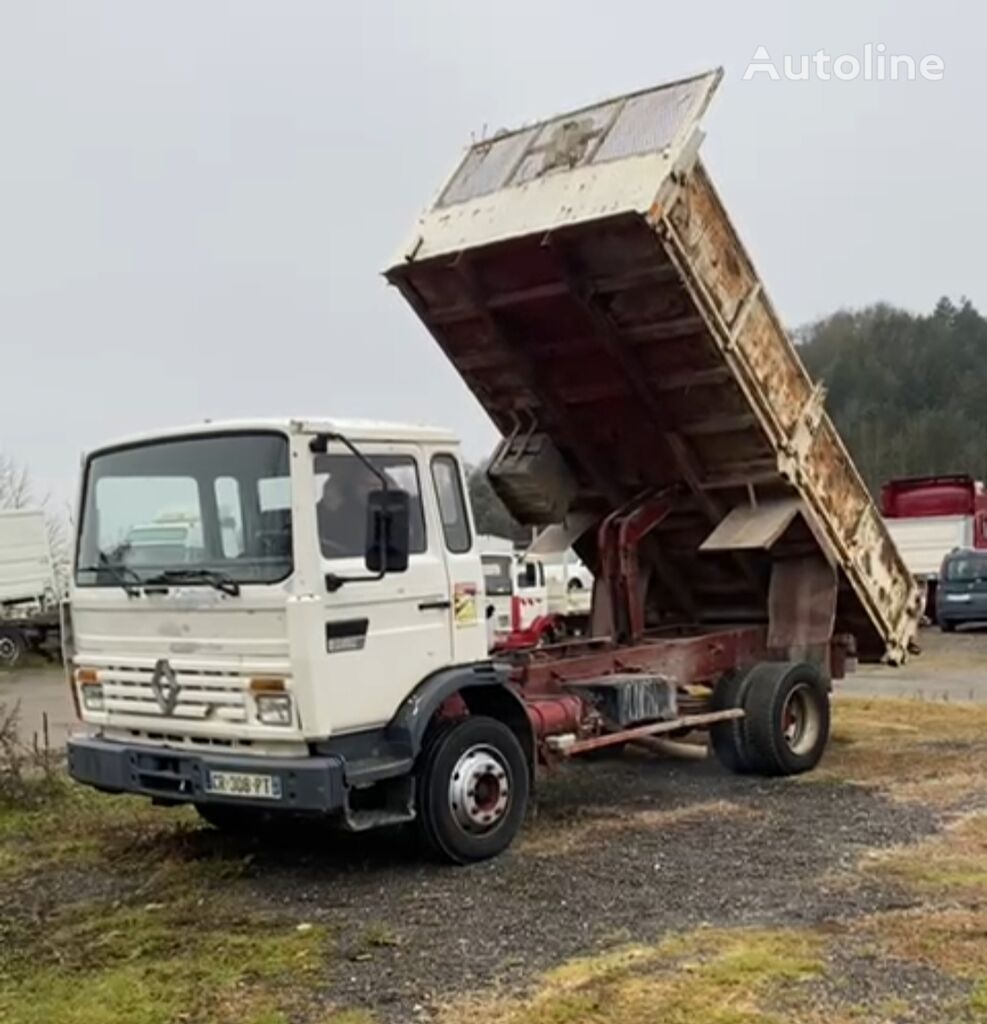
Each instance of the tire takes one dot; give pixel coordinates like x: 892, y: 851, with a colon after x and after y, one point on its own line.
x: 12, y: 646
x: 947, y: 625
x: 788, y: 717
x: 729, y: 739
x: 475, y: 755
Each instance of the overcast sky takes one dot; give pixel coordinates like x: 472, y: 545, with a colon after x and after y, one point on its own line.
x: 196, y: 198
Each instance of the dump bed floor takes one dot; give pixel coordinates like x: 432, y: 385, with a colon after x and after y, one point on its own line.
x: 640, y: 342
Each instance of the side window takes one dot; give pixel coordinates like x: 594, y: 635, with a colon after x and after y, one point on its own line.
x: 528, y: 576
x: 342, y: 483
x: 452, y: 505
x: 230, y: 515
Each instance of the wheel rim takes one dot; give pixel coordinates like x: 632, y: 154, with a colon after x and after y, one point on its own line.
x: 479, y: 789
x: 9, y: 650
x: 800, y: 720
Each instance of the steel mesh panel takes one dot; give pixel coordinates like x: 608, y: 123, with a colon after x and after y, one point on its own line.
x: 565, y: 142
x: 650, y: 122
x: 615, y: 130
x: 486, y: 167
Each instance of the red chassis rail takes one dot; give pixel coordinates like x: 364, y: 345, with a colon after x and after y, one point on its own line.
x: 695, y: 657
x: 549, y: 680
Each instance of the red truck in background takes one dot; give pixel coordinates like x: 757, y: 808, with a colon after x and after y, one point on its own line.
x: 930, y: 516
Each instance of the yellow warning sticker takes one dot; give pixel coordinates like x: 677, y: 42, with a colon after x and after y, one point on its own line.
x: 464, y: 604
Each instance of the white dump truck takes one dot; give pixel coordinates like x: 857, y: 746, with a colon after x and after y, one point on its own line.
x: 583, y: 278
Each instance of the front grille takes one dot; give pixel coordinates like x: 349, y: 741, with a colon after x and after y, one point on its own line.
x: 202, y: 696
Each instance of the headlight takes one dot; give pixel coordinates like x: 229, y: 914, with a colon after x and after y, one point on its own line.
x: 92, y: 697
x: 274, y: 709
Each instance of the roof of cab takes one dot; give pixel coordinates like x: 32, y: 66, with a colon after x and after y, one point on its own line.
x: 354, y: 429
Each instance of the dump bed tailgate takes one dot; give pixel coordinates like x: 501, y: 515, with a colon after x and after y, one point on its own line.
x: 584, y: 279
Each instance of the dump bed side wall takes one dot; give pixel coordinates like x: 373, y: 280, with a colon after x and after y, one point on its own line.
x: 700, y: 240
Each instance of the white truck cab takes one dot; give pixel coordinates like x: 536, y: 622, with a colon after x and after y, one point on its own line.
x: 296, y: 661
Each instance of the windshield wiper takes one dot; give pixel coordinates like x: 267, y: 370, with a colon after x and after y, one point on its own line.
x: 214, y: 577
x: 121, y: 574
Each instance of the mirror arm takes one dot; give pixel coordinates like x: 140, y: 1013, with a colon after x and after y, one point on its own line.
x: 320, y: 444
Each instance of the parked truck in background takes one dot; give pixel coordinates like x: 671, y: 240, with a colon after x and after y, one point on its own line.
x: 29, y: 618
x: 930, y: 516
x: 498, y: 558
x: 583, y: 278
x: 533, y: 597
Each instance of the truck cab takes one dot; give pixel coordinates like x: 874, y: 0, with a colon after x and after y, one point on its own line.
x: 292, y: 657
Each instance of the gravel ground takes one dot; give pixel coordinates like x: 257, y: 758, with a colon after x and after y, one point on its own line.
x: 765, y: 853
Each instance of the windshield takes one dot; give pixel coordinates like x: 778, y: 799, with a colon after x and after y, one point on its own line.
x: 496, y: 574
x: 967, y: 568
x: 219, y: 503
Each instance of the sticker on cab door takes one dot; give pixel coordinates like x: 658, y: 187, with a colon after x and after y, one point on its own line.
x: 464, y: 604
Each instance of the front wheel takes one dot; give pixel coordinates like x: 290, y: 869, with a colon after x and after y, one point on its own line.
x: 473, y: 787
x: 947, y: 626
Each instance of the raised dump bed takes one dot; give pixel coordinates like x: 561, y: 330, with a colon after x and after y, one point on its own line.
x: 584, y: 279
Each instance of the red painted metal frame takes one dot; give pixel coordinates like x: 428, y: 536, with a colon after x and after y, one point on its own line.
x: 697, y: 657
x: 618, y: 539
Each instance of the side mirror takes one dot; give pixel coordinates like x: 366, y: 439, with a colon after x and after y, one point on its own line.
x: 388, y: 530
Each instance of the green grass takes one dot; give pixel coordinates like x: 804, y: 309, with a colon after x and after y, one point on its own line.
x: 177, y: 943
x: 193, y: 959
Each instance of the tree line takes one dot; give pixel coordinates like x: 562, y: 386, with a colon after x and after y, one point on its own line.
x: 905, y: 390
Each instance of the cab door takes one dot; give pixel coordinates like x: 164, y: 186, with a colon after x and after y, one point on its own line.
x: 470, y: 641
x: 382, y: 636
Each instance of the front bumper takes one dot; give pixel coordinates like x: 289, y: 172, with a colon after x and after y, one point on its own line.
x: 179, y: 776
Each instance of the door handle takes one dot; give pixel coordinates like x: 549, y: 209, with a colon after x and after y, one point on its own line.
x: 441, y: 605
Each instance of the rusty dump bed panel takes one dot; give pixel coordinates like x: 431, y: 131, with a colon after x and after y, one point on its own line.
x: 584, y: 279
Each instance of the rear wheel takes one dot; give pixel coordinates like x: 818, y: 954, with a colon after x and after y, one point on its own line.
x: 12, y: 646
x: 787, y: 717
x: 473, y: 786
x: 946, y: 626
x: 729, y: 739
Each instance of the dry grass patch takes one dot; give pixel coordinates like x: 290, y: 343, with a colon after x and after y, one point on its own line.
x: 933, y: 753
x: 953, y: 863
x: 554, y: 837
x: 949, y: 932
x: 708, y: 976
x: 951, y: 939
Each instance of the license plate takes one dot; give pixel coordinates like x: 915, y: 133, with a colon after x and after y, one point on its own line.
x: 245, y: 784
x: 957, y: 597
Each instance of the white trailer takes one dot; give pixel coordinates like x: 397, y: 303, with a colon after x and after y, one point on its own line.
x: 26, y: 575
x: 28, y: 594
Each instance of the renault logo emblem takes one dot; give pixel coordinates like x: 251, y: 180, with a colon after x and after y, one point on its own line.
x: 165, y: 686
